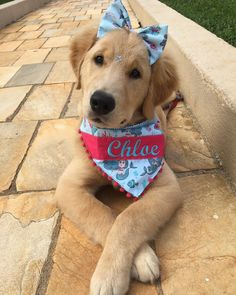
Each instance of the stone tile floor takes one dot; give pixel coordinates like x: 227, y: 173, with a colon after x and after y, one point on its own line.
x: 43, y: 252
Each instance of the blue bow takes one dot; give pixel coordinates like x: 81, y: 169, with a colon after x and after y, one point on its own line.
x: 154, y: 37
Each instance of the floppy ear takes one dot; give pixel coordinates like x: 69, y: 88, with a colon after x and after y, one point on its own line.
x: 163, y: 82
x: 81, y: 43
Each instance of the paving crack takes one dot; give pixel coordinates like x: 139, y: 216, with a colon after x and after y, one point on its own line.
x: 31, y: 221
x: 215, y: 171
x: 13, y: 183
x: 65, y: 108
x: 44, y: 61
x: 12, y: 116
x: 211, y: 171
x: 48, y: 264
x: 17, y: 193
x: 53, y: 64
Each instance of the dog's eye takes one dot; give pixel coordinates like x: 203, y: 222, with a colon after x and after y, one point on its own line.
x: 99, y: 60
x: 135, y: 74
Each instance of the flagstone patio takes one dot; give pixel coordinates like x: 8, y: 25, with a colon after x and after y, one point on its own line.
x: 41, y: 251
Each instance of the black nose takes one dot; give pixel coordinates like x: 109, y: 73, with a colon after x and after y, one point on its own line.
x: 102, y: 103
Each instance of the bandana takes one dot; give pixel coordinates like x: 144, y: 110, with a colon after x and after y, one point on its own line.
x: 130, y: 157
x: 154, y: 37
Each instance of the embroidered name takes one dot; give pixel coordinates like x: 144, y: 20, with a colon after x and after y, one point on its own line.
x: 124, y: 148
x: 118, y: 150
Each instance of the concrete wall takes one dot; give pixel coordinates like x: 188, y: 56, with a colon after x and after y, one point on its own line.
x: 207, y: 70
x: 13, y: 10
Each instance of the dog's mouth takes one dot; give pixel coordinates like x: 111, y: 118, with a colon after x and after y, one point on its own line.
x: 103, y: 122
x: 123, y: 123
x: 100, y: 121
x: 97, y: 120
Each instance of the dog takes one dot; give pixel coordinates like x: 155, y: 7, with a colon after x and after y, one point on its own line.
x: 137, y: 90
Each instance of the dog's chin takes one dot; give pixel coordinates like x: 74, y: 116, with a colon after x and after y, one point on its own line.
x: 101, y: 122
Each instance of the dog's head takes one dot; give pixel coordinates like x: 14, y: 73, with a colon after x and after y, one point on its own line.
x: 119, y: 87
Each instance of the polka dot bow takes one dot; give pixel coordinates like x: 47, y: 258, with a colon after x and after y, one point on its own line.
x: 154, y: 37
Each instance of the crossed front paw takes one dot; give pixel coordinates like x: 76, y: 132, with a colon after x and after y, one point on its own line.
x: 145, y: 267
x: 110, y: 278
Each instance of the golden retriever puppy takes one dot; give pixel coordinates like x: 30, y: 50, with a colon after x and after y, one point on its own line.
x: 136, y: 90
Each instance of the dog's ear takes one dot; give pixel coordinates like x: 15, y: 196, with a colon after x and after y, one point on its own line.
x: 81, y: 43
x: 164, y: 81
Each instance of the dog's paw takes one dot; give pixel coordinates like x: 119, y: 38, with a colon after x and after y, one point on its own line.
x: 146, y: 265
x: 110, y: 280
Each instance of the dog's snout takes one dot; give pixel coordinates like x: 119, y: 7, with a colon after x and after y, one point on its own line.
x: 102, y: 102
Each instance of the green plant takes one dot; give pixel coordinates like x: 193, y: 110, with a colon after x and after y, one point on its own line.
x: 4, y: 1
x: 217, y: 16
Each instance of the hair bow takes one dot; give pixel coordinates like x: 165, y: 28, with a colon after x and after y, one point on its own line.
x: 154, y: 37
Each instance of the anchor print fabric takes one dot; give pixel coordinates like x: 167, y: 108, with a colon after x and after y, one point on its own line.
x: 154, y: 37
x: 131, y: 157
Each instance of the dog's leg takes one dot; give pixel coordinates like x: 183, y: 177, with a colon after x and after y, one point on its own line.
x: 136, y: 225
x: 75, y: 197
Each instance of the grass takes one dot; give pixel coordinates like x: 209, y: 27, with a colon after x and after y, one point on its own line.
x: 4, y: 1
x: 217, y: 16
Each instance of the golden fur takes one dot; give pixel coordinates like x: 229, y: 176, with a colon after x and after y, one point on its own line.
x: 124, y: 238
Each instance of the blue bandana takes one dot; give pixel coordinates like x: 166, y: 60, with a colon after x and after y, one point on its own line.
x: 130, y: 157
x: 154, y: 37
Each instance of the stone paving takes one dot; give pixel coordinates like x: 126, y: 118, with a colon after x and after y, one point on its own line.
x: 41, y: 251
